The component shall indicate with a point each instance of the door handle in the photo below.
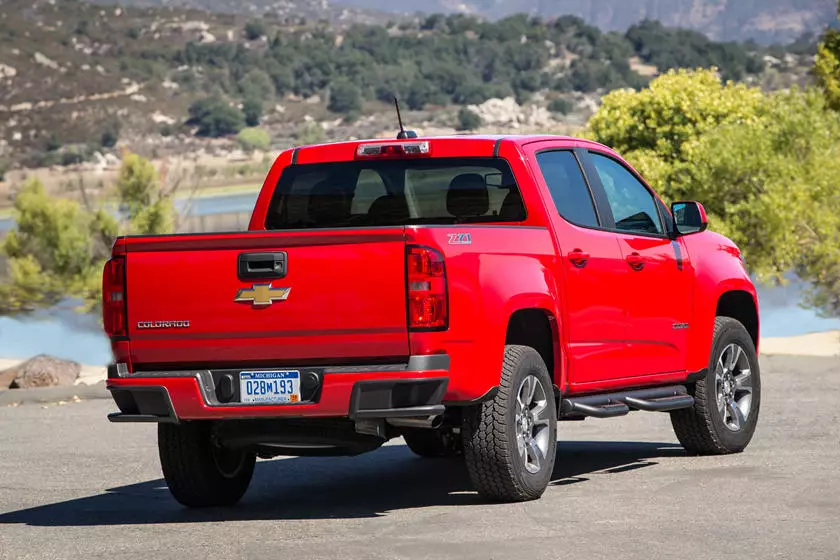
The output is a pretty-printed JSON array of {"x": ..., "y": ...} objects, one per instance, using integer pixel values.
[
  {"x": 262, "y": 266},
  {"x": 636, "y": 261},
  {"x": 578, "y": 258}
]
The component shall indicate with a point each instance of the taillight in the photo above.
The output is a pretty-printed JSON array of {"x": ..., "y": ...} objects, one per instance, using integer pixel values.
[
  {"x": 113, "y": 297},
  {"x": 427, "y": 298}
]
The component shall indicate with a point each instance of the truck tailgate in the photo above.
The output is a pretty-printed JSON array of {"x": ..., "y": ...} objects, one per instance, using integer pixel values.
[{"x": 341, "y": 298}]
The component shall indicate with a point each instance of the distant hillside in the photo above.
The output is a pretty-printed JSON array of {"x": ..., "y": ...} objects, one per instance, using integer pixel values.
[
  {"x": 77, "y": 79},
  {"x": 766, "y": 21}
]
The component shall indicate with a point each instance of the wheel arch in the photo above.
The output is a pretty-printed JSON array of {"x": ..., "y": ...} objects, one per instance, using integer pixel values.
[
  {"x": 538, "y": 328},
  {"x": 741, "y": 306}
]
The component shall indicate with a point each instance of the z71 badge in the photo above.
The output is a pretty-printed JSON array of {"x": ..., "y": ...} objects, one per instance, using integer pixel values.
[{"x": 460, "y": 239}]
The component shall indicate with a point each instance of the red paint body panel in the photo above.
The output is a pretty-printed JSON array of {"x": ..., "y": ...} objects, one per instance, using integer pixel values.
[
  {"x": 613, "y": 327},
  {"x": 337, "y": 307},
  {"x": 656, "y": 297}
]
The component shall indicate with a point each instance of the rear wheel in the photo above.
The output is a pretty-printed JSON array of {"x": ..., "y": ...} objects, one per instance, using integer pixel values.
[
  {"x": 443, "y": 442},
  {"x": 727, "y": 400},
  {"x": 199, "y": 471},
  {"x": 510, "y": 441}
]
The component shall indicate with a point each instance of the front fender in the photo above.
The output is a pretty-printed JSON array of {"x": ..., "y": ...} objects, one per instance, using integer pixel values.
[{"x": 718, "y": 269}]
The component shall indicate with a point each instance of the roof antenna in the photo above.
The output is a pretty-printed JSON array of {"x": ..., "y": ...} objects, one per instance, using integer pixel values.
[{"x": 404, "y": 134}]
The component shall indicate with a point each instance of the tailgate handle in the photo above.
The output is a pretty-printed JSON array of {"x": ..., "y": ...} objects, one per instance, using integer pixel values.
[{"x": 262, "y": 265}]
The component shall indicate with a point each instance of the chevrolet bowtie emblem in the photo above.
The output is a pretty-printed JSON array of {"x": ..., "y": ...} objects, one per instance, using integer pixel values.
[{"x": 261, "y": 295}]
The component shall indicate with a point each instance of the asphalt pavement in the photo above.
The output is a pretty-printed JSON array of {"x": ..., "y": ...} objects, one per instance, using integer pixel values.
[{"x": 74, "y": 486}]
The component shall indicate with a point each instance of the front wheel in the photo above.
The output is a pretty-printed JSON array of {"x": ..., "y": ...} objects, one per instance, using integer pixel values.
[
  {"x": 199, "y": 471},
  {"x": 510, "y": 442},
  {"x": 727, "y": 400}
]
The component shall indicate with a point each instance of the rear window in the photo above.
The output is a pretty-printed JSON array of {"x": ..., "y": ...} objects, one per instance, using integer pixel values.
[{"x": 395, "y": 192}]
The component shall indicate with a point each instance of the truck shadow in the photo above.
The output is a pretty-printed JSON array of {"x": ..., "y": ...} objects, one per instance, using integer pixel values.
[{"x": 371, "y": 485}]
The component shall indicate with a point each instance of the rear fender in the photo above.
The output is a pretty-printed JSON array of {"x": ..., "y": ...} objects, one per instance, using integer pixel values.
[
  {"x": 548, "y": 305},
  {"x": 504, "y": 269}
]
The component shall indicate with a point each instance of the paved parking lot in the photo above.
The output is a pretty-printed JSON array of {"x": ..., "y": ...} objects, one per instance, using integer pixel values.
[{"x": 74, "y": 486}]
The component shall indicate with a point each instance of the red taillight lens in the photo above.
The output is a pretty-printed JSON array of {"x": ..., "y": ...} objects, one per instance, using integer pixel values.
[
  {"x": 113, "y": 297},
  {"x": 427, "y": 301}
]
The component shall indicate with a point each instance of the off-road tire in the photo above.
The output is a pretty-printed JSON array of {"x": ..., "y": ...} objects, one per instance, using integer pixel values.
[
  {"x": 434, "y": 444},
  {"x": 191, "y": 460},
  {"x": 700, "y": 429},
  {"x": 495, "y": 467}
]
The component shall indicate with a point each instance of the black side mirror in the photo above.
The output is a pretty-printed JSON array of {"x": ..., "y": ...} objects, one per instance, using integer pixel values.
[{"x": 689, "y": 217}]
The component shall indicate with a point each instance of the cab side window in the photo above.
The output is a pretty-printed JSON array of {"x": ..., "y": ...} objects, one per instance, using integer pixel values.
[
  {"x": 633, "y": 206},
  {"x": 568, "y": 188}
]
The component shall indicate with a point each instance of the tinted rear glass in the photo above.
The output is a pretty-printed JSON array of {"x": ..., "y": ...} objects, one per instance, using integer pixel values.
[{"x": 395, "y": 192}]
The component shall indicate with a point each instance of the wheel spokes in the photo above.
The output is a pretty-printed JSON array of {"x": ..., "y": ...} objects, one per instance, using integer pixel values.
[
  {"x": 522, "y": 448},
  {"x": 540, "y": 413},
  {"x": 525, "y": 393},
  {"x": 736, "y": 416},
  {"x": 734, "y": 356},
  {"x": 721, "y": 403},
  {"x": 535, "y": 453},
  {"x": 743, "y": 381},
  {"x": 532, "y": 388}
]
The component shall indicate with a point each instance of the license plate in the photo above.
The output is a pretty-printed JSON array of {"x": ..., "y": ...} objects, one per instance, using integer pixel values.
[{"x": 269, "y": 387}]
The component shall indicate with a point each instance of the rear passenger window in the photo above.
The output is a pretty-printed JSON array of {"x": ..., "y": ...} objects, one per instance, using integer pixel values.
[{"x": 568, "y": 189}]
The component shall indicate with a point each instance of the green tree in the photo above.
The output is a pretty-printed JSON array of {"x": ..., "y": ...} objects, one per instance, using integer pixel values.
[
  {"x": 468, "y": 120},
  {"x": 765, "y": 166},
  {"x": 253, "y": 139},
  {"x": 561, "y": 106},
  {"x": 58, "y": 247},
  {"x": 256, "y": 84},
  {"x": 310, "y": 133},
  {"x": 827, "y": 66},
  {"x": 110, "y": 135},
  {"x": 53, "y": 251},
  {"x": 771, "y": 185},
  {"x": 254, "y": 29},
  {"x": 253, "y": 111},
  {"x": 344, "y": 97},
  {"x": 679, "y": 106},
  {"x": 215, "y": 117}
]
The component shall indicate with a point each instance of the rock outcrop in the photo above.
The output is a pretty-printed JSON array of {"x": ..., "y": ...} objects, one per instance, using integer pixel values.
[{"x": 42, "y": 371}]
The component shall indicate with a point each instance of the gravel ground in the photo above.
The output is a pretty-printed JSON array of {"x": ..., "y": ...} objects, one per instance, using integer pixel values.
[{"x": 75, "y": 486}]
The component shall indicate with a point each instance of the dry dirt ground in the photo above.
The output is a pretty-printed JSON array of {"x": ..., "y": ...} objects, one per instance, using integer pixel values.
[{"x": 74, "y": 486}]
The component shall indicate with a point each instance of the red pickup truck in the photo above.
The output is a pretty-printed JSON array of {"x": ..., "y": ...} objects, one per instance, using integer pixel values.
[{"x": 465, "y": 293}]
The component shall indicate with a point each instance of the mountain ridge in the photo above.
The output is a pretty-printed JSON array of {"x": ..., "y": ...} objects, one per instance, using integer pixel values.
[{"x": 766, "y": 21}]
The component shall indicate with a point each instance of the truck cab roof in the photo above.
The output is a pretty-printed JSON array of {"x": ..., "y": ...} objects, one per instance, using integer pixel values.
[{"x": 467, "y": 145}]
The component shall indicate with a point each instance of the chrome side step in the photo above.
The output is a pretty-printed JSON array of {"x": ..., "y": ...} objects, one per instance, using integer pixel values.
[{"x": 609, "y": 405}]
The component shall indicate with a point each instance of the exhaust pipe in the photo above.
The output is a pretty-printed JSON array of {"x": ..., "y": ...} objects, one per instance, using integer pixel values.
[{"x": 422, "y": 422}]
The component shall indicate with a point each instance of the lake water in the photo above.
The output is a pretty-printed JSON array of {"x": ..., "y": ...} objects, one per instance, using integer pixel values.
[{"x": 206, "y": 206}]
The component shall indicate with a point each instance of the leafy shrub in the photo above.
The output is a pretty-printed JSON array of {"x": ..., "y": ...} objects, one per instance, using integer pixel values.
[
  {"x": 110, "y": 135},
  {"x": 310, "y": 133},
  {"x": 253, "y": 139},
  {"x": 254, "y": 29},
  {"x": 561, "y": 106},
  {"x": 468, "y": 120},
  {"x": 214, "y": 117},
  {"x": 344, "y": 97},
  {"x": 253, "y": 111}
]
